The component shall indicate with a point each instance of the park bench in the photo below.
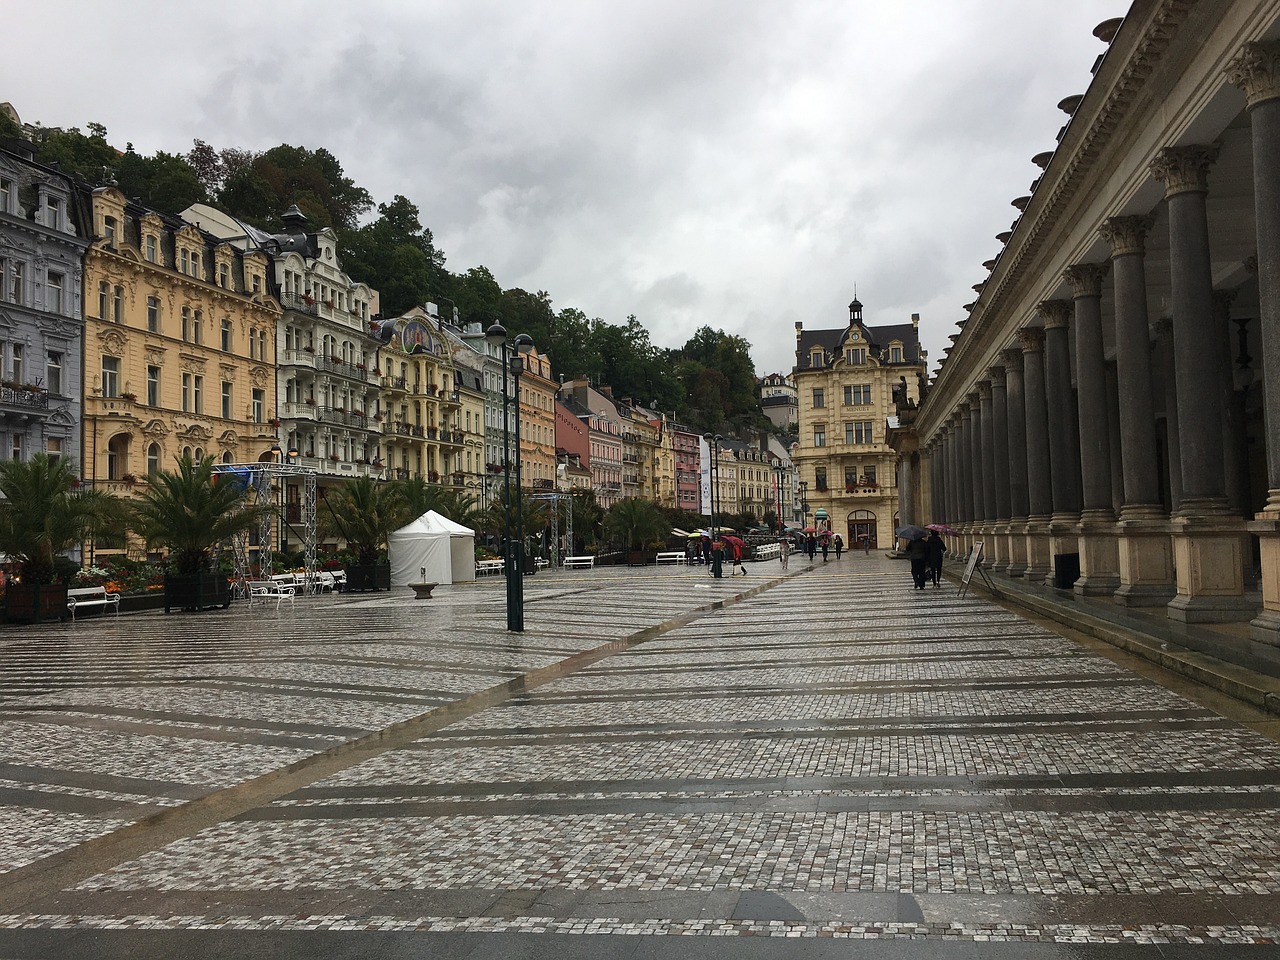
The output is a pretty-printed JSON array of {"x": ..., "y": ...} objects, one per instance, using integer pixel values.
[
  {"x": 672, "y": 556},
  {"x": 261, "y": 591},
  {"x": 489, "y": 566},
  {"x": 588, "y": 562},
  {"x": 766, "y": 551},
  {"x": 86, "y": 598}
]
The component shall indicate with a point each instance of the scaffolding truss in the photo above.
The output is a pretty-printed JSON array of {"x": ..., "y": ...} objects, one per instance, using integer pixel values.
[
  {"x": 555, "y": 499},
  {"x": 267, "y": 481}
]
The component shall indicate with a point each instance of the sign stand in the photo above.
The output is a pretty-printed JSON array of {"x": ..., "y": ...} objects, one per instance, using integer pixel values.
[{"x": 975, "y": 563}]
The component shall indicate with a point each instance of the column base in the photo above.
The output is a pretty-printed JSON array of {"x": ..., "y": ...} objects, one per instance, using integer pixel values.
[
  {"x": 1017, "y": 564},
  {"x": 1145, "y": 557},
  {"x": 1265, "y": 628},
  {"x": 1036, "y": 539},
  {"x": 1208, "y": 557},
  {"x": 1064, "y": 539},
  {"x": 1099, "y": 554}
]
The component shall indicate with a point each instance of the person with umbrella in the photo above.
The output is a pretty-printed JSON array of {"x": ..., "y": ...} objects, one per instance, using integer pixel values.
[
  {"x": 734, "y": 546},
  {"x": 839, "y": 545},
  {"x": 810, "y": 545},
  {"x": 825, "y": 542},
  {"x": 917, "y": 551},
  {"x": 936, "y": 550}
]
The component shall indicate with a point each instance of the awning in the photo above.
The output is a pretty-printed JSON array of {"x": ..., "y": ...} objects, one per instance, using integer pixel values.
[{"x": 820, "y": 514}]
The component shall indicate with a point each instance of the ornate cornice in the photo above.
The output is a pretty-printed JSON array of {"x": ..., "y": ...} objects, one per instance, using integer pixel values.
[
  {"x": 1126, "y": 235},
  {"x": 1256, "y": 71},
  {"x": 1184, "y": 169},
  {"x": 1056, "y": 314},
  {"x": 1085, "y": 279}
]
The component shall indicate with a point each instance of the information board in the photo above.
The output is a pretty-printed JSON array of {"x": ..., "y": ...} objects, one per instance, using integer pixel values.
[{"x": 975, "y": 555}]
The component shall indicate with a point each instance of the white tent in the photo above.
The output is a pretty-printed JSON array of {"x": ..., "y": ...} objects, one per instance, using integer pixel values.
[{"x": 446, "y": 549}]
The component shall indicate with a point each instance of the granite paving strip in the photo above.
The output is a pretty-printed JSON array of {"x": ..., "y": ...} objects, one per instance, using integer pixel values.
[{"x": 777, "y": 803}]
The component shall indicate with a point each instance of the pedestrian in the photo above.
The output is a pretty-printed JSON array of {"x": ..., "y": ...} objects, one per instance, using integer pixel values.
[
  {"x": 826, "y": 545},
  {"x": 936, "y": 550},
  {"x": 784, "y": 551},
  {"x": 717, "y": 559},
  {"x": 810, "y": 546},
  {"x": 918, "y": 554},
  {"x": 866, "y": 543},
  {"x": 735, "y": 557},
  {"x": 839, "y": 546}
]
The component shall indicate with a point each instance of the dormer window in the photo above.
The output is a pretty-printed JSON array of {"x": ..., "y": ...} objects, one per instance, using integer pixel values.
[
  {"x": 151, "y": 248},
  {"x": 109, "y": 231},
  {"x": 6, "y": 195},
  {"x": 895, "y": 353},
  {"x": 816, "y": 359},
  {"x": 224, "y": 276},
  {"x": 855, "y": 356},
  {"x": 52, "y": 212}
]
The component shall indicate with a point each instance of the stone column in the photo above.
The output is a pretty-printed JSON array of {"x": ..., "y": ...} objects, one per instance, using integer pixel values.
[
  {"x": 1208, "y": 542},
  {"x": 1016, "y": 445},
  {"x": 1235, "y": 480},
  {"x": 964, "y": 463},
  {"x": 1098, "y": 545},
  {"x": 1113, "y": 437},
  {"x": 1145, "y": 550},
  {"x": 906, "y": 491},
  {"x": 952, "y": 466},
  {"x": 1039, "y": 492},
  {"x": 1257, "y": 71},
  {"x": 973, "y": 426},
  {"x": 1064, "y": 444},
  {"x": 1162, "y": 358},
  {"x": 992, "y": 552},
  {"x": 1000, "y": 466}
]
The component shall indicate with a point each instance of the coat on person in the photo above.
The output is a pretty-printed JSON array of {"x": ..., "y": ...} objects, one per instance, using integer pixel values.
[
  {"x": 936, "y": 550},
  {"x": 811, "y": 546},
  {"x": 918, "y": 554},
  {"x": 839, "y": 545}
]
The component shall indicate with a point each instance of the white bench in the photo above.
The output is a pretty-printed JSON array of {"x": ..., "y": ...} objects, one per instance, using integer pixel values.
[
  {"x": 672, "y": 556},
  {"x": 587, "y": 562},
  {"x": 260, "y": 591},
  {"x": 84, "y": 598},
  {"x": 489, "y": 566},
  {"x": 766, "y": 551},
  {"x": 540, "y": 563}
]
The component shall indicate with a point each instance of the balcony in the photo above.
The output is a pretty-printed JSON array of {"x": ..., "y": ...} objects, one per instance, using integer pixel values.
[
  {"x": 399, "y": 428},
  {"x": 24, "y": 397},
  {"x": 394, "y": 384},
  {"x": 301, "y": 304},
  {"x": 294, "y": 410},
  {"x": 451, "y": 399},
  {"x": 298, "y": 358},
  {"x": 339, "y": 367},
  {"x": 454, "y": 437}
]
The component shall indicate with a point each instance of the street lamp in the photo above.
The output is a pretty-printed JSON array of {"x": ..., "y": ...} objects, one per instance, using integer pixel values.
[
  {"x": 804, "y": 503},
  {"x": 778, "y": 471},
  {"x": 510, "y": 354}
]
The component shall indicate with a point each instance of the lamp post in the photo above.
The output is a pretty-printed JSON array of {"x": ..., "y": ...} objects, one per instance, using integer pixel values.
[
  {"x": 713, "y": 441},
  {"x": 778, "y": 472},
  {"x": 509, "y": 354},
  {"x": 804, "y": 504}
]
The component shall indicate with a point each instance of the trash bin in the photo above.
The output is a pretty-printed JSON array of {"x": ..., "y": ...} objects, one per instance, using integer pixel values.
[{"x": 1066, "y": 570}]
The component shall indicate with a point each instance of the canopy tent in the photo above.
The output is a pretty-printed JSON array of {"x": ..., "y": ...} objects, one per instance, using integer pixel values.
[{"x": 447, "y": 551}]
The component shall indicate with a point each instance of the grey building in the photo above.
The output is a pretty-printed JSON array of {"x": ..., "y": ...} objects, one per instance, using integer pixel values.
[{"x": 42, "y": 243}]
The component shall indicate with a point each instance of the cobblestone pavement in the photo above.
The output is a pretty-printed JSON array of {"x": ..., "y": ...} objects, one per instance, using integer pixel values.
[{"x": 825, "y": 764}]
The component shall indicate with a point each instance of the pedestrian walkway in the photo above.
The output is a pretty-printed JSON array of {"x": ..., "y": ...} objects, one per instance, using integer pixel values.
[{"x": 662, "y": 765}]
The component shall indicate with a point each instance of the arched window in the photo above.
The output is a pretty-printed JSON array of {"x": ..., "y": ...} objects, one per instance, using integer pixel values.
[
  {"x": 199, "y": 454},
  {"x": 153, "y": 459},
  {"x": 118, "y": 456},
  {"x": 186, "y": 452}
]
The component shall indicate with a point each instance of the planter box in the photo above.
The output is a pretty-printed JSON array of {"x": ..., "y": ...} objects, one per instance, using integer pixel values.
[
  {"x": 362, "y": 577},
  {"x": 35, "y": 603},
  {"x": 196, "y": 592}
]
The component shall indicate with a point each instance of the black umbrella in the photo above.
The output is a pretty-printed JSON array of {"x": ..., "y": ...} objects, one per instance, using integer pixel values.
[{"x": 911, "y": 532}]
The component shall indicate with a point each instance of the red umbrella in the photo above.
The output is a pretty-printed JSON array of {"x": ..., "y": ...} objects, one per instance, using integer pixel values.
[
  {"x": 943, "y": 528},
  {"x": 810, "y": 529}
]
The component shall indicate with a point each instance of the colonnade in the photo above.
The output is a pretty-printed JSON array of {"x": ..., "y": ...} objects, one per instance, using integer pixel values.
[{"x": 1094, "y": 433}]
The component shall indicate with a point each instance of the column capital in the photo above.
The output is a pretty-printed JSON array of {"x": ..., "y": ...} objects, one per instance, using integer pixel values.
[
  {"x": 1223, "y": 299},
  {"x": 1126, "y": 235},
  {"x": 997, "y": 375},
  {"x": 966, "y": 413},
  {"x": 1055, "y": 313},
  {"x": 1085, "y": 279},
  {"x": 1031, "y": 339},
  {"x": 1012, "y": 359},
  {"x": 984, "y": 390},
  {"x": 1256, "y": 71},
  {"x": 1184, "y": 169}
]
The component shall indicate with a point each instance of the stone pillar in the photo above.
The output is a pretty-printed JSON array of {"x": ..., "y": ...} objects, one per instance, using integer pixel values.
[
  {"x": 1039, "y": 492},
  {"x": 1000, "y": 465},
  {"x": 1208, "y": 542},
  {"x": 963, "y": 455},
  {"x": 1064, "y": 445},
  {"x": 1235, "y": 480},
  {"x": 906, "y": 491},
  {"x": 1113, "y": 437},
  {"x": 975, "y": 455},
  {"x": 1145, "y": 551},
  {"x": 1163, "y": 361},
  {"x": 991, "y": 552},
  {"x": 1257, "y": 71},
  {"x": 1016, "y": 445},
  {"x": 1098, "y": 545}
]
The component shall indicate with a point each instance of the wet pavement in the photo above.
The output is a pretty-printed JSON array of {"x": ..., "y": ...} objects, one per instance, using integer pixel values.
[{"x": 821, "y": 763}]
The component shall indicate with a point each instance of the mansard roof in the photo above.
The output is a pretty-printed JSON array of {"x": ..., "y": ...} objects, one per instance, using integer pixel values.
[{"x": 878, "y": 338}]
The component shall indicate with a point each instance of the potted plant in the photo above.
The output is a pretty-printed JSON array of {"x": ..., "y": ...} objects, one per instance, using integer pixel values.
[
  {"x": 189, "y": 513},
  {"x": 634, "y": 522},
  {"x": 43, "y": 515},
  {"x": 131, "y": 397},
  {"x": 363, "y": 512}
]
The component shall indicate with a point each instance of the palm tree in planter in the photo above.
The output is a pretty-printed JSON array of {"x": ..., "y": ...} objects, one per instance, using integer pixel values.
[
  {"x": 190, "y": 512},
  {"x": 417, "y": 496},
  {"x": 636, "y": 522},
  {"x": 363, "y": 512},
  {"x": 44, "y": 514}
]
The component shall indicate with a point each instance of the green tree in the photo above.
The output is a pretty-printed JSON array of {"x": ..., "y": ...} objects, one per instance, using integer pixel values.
[
  {"x": 87, "y": 156},
  {"x": 417, "y": 496},
  {"x": 636, "y": 522},
  {"x": 363, "y": 512},
  {"x": 43, "y": 514},
  {"x": 189, "y": 513},
  {"x": 164, "y": 182},
  {"x": 396, "y": 255}
]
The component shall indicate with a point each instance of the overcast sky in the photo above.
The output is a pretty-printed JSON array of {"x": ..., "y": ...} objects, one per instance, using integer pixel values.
[{"x": 737, "y": 163}]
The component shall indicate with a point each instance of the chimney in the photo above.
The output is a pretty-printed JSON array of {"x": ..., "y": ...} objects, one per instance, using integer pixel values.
[{"x": 915, "y": 320}]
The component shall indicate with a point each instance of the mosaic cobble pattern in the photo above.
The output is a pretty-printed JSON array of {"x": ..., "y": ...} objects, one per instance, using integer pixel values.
[{"x": 834, "y": 757}]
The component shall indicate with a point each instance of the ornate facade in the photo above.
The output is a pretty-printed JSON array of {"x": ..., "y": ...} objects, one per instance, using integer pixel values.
[
  {"x": 180, "y": 342},
  {"x": 44, "y": 223},
  {"x": 848, "y": 380}
]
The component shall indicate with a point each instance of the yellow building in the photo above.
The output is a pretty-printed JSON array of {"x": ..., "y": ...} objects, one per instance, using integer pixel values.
[
  {"x": 537, "y": 423},
  {"x": 846, "y": 379},
  {"x": 180, "y": 346}
]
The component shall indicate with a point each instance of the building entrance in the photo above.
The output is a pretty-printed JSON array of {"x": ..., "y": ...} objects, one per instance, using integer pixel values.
[{"x": 862, "y": 530}]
